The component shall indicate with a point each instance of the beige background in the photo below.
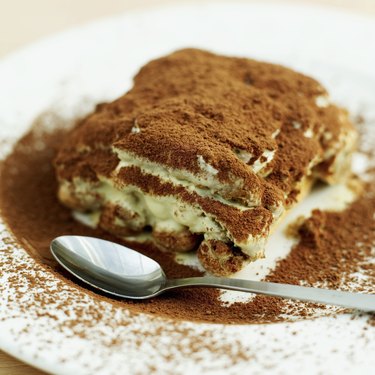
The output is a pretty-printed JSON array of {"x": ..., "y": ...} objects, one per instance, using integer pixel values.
[{"x": 23, "y": 21}]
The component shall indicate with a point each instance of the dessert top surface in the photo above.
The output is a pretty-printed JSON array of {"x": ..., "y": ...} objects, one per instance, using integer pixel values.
[{"x": 243, "y": 122}]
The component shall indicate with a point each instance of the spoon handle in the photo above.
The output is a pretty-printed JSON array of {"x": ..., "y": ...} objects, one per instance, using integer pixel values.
[{"x": 364, "y": 302}]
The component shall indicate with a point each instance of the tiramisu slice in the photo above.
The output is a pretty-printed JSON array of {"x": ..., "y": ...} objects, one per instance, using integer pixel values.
[{"x": 207, "y": 152}]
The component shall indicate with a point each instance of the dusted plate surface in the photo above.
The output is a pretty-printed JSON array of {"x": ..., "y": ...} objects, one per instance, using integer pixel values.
[{"x": 69, "y": 73}]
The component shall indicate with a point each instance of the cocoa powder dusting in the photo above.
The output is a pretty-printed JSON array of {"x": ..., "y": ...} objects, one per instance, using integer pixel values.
[
  {"x": 333, "y": 246},
  {"x": 232, "y": 114}
]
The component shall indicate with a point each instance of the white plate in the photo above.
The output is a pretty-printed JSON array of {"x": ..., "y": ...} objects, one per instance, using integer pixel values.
[{"x": 75, "y": 69}]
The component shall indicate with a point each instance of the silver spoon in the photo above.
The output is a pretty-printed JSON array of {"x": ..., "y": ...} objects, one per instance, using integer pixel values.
[{"x": 123, "y": 272}]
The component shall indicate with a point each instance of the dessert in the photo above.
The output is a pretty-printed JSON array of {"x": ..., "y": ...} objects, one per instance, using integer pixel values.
[{"x": 205, "y": 152}]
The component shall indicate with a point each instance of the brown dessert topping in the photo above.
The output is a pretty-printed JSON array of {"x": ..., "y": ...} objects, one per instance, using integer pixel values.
[{"x": 194, "y": 103}]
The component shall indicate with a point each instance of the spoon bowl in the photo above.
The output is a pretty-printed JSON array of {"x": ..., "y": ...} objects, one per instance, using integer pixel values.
[
  {"x": 124, "y": 272},
  {"x": 109, "y": 267}
]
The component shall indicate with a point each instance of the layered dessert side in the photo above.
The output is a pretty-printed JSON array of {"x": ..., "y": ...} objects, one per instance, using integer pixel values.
[{"x": 205, "y": 152}]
